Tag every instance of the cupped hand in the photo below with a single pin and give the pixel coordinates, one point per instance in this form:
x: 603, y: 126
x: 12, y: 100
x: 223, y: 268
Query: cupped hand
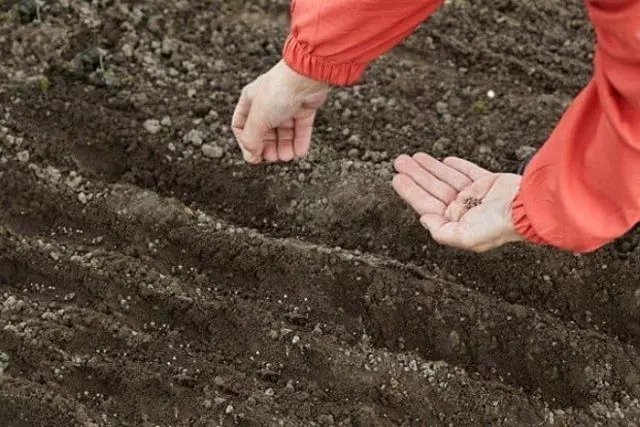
x: 461, y: 204
x: 273, y: 120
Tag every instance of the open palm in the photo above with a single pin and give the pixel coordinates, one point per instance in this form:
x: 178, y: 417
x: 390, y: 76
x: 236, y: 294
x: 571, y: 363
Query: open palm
x: 461, y: 204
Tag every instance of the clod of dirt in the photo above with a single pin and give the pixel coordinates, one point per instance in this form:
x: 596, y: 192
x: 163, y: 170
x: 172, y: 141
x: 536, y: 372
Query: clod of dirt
x: 29, y: 11
x: 92, y: 59
x: 212, y: 151
x: 152, y: 126
x: 23, y: 156
x: 194, y: 137
x: 166, y: 121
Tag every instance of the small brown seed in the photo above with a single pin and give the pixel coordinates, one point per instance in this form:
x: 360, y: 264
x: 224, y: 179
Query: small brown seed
x: 472, y: 202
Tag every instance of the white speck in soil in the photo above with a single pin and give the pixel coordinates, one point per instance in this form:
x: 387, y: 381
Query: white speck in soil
x: 152, y: 126
x: 212, y: 151
x: 194, y: 137
x: 23, y: 156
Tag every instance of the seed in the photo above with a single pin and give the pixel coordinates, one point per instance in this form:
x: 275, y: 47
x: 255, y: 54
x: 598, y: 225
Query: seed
x: 472, y: 202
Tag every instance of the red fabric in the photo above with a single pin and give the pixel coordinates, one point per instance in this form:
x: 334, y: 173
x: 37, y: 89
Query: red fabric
x: 334, y: 40
x: 582, y: 190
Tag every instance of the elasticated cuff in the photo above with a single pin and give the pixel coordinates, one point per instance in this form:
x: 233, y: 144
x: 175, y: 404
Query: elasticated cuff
x: 319, y: 68
x: 522, y: 224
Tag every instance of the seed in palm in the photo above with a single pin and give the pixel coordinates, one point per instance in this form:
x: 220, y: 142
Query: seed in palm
x: 472, y: 202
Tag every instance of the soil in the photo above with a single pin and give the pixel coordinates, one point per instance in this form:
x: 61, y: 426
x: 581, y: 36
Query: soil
x: 149, y: 277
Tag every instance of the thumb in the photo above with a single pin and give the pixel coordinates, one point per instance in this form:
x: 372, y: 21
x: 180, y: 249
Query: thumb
x: 255, y: 129
x: 445, y: 232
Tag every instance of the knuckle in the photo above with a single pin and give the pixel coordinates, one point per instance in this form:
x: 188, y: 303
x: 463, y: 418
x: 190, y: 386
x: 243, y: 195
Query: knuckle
x: 246, y: 92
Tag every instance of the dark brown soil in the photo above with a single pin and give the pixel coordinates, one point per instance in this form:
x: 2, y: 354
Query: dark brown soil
x: 143, y: 283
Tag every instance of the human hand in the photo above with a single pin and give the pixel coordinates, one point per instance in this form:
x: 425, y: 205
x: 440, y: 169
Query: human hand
x: 273, y: 120
x: 461, y: 204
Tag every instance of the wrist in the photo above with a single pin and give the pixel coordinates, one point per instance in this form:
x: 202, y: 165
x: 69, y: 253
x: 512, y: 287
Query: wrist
x: 512, y: 234
x: 301, y: 84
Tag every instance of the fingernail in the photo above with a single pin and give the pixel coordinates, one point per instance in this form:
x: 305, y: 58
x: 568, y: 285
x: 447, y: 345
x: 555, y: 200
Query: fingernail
x: 424, y: 224
x: 248, y: 157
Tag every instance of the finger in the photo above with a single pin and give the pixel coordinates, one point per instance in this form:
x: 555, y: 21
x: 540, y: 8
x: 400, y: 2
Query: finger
x: 240, y: 114
x: 270, y: 153
x: 428, y: 182
x: 444, y: 173
x: 287, y: 124
x: 285, y: 144
x: 432, y: 222
x: 284, y: 134
x: 421, y: 201
x: 456, y: 210
x: 477, y: 191
x: 271, y: 136
x: 471, y: 170
x: 445, y: 232
x: 255, y: 130
x: 303, y: 128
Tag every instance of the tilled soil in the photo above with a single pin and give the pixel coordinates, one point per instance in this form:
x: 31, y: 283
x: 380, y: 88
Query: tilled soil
x: 149, y: 277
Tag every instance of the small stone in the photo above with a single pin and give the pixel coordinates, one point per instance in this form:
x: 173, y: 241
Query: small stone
x: 229, y: 409
x: 355, y: 140
x: 491, y: 94
x: 166, y: 121
x: 442, y: 107
x: 53, y: 174
x: 82, y: 198
x: 484, y: 149
x: 54, y: 255
x: 23, y: 156
x: 73, y: 181
x: 171, y: 146
x: 304, y: 165
x: 152, y: 126
x: 127, y: 50
x: 212, y: 151
x: 599, y: 408
x: 219, y: 401
x: 353, y: 153
x: 269, y: 392
x: 207, y: 403
x: 194, y: 137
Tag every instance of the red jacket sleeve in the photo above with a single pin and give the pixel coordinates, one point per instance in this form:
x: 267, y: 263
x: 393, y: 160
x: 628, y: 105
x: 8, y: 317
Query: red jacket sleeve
x: 334, y: 41
x: 582, y: 189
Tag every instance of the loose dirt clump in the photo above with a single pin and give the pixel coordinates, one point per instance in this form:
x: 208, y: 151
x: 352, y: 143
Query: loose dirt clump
x: 148, y: 276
